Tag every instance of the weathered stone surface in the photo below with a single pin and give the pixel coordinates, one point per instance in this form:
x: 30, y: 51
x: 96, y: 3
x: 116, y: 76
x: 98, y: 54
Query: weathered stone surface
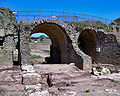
x: 42, y: 93
x: 27, y: 68
x: 105, y: 71
x: 12, y: 90
x: 33, y: 88
x: 7, y: 30
x: 67, y: 80
x: 31, y: 78
x: 113, y: 76
x: 10, y: 75
x: 11, y: 81
x: 63, y: 50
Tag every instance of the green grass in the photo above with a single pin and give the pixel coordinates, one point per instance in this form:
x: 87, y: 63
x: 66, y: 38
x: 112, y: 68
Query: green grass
x: 35, y: 57
x: 99, y: 69
x: 110, y: 67
x: 47, y: 51
x: 108, y: 30
x: 87, y: 91
x: 112, y: 80
x: 15, y: 58
x: 115, y: 80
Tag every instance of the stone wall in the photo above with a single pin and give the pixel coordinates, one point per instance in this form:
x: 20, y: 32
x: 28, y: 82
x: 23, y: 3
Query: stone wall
x: 8, y: 27
x: 110, y: 49
x: 65, y: 40
x: 103, y: 47
x: 72, y: 54
x: 24, y: 36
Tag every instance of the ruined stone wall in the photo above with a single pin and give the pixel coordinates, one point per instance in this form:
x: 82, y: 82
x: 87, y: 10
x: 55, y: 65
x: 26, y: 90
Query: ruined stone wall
x: 106, y: 45
x: 7, y: 29
x: 110, y: 49
x: 74, y: 54
x: 24, y: 36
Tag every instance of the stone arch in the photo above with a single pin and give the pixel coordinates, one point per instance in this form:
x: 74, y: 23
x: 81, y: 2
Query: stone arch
x: 88, y: 42
x: 58, y: 37
x: 62, y: 37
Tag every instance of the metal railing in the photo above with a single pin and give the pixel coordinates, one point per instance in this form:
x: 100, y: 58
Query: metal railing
x: 34, y: 15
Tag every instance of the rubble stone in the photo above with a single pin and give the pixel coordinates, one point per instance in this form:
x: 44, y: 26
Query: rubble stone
x: 31, y: 78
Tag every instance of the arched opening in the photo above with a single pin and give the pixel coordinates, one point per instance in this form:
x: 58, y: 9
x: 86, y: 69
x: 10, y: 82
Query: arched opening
x: 58, y: 48
x: 39, y: 45
x: 15, y: 52
x: 88, y: 43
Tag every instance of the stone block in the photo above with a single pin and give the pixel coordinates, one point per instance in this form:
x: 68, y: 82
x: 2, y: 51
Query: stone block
x: 32, y: 88
x: 9, y: 77
x: 31, y: 78
x: 27, y: 68
x: 42, y: 93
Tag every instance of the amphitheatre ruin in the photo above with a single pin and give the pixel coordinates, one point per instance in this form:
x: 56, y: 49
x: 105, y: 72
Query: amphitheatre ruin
x: 84, y: 54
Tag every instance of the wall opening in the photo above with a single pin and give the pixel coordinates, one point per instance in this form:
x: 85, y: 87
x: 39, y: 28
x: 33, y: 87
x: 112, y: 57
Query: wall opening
x: 88, y: 43
x: 58, y: 47
x: 15, y: 52
x: 117, y: 29
x: 39, y: 45
x: 1, y: 41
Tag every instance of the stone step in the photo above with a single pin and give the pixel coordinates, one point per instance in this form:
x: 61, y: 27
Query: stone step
x: 10, y: 75
x: 12, y: 90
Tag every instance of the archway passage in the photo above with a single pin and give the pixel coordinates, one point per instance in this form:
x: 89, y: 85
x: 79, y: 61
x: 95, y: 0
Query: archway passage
x: 58, y: 49
x: 88, y: 42
x: 39, y: 45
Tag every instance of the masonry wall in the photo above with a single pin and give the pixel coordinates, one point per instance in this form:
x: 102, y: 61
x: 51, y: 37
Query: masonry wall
x: 7, y: 29
x: 73, y: 53
x: 110, y: 49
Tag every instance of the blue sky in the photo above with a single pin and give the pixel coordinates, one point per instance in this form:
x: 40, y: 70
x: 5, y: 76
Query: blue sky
x: 104, y: 8
x: 38, y: 34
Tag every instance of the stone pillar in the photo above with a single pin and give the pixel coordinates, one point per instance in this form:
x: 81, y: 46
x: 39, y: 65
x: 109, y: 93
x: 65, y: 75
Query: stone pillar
x: 24, y: 35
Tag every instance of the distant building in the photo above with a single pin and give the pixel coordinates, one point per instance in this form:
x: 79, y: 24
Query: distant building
x: 40, y: 39
x: 116, y: 26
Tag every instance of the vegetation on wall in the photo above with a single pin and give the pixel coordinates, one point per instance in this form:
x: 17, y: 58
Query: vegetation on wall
x: 83, y: 24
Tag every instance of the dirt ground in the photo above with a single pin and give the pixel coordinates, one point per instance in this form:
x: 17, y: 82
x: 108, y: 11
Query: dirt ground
x: 39, y: 51
x: 67, y: 80
x: 55, y: 79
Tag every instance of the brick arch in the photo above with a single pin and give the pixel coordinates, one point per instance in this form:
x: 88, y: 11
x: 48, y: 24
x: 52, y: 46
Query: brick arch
x: 88, y: 41
x: 58, y: 37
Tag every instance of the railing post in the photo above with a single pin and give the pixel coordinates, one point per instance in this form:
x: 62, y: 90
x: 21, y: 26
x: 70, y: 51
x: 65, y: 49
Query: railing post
x: 17, y: 16
x: 28, y: 16
x: 34, y: 18
x: 60, y: 16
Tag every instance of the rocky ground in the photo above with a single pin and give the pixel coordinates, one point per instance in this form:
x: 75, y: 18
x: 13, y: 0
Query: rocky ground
x: 39, y: 49
x: 68, y: 80
x: 54, y: 80
x: 11, y: 81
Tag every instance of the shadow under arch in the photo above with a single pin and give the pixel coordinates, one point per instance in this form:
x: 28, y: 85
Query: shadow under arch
x: 58, y: 49
x: 88, y: 42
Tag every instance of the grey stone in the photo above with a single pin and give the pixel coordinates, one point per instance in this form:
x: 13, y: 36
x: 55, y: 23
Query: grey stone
x: 33, y: 88
x: 105, y: 71
x: 42, y: 93
x: 31, y: 78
